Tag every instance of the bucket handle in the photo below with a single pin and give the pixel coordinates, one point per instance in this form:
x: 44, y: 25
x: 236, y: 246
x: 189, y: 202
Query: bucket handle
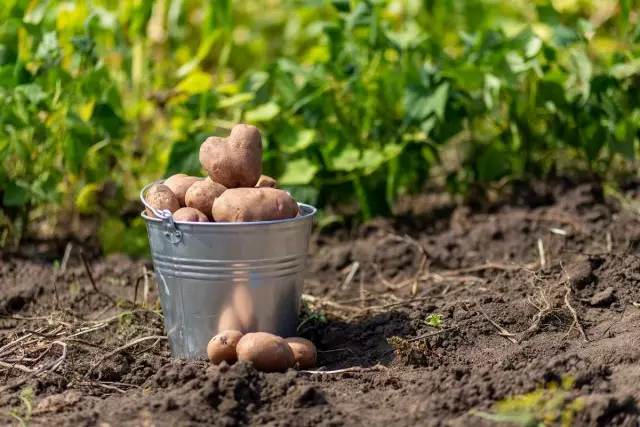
x: 171, y: 232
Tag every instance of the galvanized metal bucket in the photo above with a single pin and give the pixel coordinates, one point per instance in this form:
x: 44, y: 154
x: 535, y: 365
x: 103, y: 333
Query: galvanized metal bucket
x: 215, y: 276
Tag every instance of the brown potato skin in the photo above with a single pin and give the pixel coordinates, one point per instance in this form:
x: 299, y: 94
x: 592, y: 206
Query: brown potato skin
x: 254, y: 204
x: 189, y: 215
x: 235, y: 161
x: 202, y: 194
x: 179, y: 184
x: 222, y: 347
x: 304, y: 352
x: 267, y: 181
x: 160, y: 197
x: 267, y: 352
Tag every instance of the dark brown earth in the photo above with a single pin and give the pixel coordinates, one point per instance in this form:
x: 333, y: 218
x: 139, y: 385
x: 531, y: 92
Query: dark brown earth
x: 482, y: 274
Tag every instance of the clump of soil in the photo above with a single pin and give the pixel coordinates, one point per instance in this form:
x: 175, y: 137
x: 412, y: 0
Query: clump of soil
x: 426, y: 319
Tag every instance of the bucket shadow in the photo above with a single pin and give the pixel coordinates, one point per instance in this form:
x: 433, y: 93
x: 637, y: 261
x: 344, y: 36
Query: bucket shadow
x: 361, y: 343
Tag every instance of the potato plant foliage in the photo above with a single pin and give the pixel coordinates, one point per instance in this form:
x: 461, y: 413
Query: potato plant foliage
x: 359, y: 100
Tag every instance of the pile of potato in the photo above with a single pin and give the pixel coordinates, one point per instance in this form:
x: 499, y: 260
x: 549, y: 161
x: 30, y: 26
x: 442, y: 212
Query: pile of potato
x: 235, y: 189
x: 265, y: 351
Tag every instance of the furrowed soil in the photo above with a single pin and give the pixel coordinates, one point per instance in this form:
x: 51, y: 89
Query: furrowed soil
x: 432, y: 318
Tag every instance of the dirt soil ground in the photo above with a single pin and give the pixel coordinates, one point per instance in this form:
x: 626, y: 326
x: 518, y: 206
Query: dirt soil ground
x: 539, y: 304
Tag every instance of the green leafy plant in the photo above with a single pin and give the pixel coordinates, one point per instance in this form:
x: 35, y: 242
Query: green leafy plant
x: 23, y: 414
x: 311, y: 318
x: 434, y: 320
x: 548, y: 405
x: 359, y: 101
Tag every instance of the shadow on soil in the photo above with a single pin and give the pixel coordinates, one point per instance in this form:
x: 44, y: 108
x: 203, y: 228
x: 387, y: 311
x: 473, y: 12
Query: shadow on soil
x: 343, y: 344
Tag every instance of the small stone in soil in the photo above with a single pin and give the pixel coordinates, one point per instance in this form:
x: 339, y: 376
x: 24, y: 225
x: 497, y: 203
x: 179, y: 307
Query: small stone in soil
x: 602, y: 298
x: 580, y: 273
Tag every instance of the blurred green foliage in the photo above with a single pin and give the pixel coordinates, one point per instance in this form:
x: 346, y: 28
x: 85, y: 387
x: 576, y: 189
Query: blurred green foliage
x: 357, y: 99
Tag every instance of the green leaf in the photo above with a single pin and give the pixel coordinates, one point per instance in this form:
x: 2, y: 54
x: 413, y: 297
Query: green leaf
x: 7, y: 76
x: 235, y: 100
x: 467, y: 76
x: 196, y: 82
x: 625, y: 12
x: 624, y: 142
x: 586, y: 28
x: 626, y: 70
x: 347, y: 160
x: 263, y: 113
x: 491, y: 93
x: 173, y: 17
x: 15, y: 195
x: 48, y: 50
x: 533, y: 47
x: 419, y: 103
x: 87, y: 199
x: 33, y: 92
x: 428, y: 125
x: 434, y: 320
x: 371, y: 159
x: 564, y: 36
x: 582, y: 71
x: 107, y: 120
x: 292, y: 139
x: 304, y: 194
x: 20, y: 148
x: 492, y: 164
x: 184, y: 158
x: 438, y: 101
x: 361, y: 193
x: 140, y: 16
x: 37, y: 13
x: 74, y: 150
x: 203, y: 51
x: 361, y: 16
x: 410, y: 38
x: 298, y: 172
x: 286, y: 88
x: 594, y: 138
x: 391, y: 190
x: 255, y: 81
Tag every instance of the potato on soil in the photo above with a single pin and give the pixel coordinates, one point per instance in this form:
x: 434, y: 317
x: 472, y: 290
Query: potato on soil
x: 267, y: 352
x: 304, y: 352
x: 223, y: 347
x: 179, y: 184
x: 235, y: 161
x: 202, y: 194
x: 160, y: 197
x: 189, y: 215
x: 254, y: 204
x: 267, y: 181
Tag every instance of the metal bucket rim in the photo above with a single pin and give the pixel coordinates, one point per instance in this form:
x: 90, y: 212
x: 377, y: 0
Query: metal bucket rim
x: 312, y: 211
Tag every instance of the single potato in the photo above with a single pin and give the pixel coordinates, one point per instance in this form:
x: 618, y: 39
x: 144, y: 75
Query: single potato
x: 304, y: 352
x: 179, y: 184
x: 202, y: 194
x: 254, y: 204
x: 267, y: 352
x: 223, y: 347
x: 189, y: 215
x: 267, y: 181
x: 160, y: 197
x: 235, y: 161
